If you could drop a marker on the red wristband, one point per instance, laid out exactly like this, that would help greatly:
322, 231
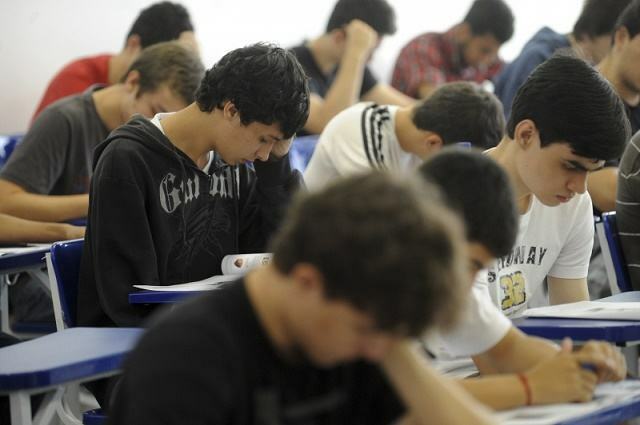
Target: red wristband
527, 389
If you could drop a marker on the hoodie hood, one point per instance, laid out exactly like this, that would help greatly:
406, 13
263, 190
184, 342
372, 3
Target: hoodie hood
141, 130
549, 40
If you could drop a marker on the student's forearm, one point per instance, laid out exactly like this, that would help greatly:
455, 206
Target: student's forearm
344, 92
18, 230
563, 291
429, 397
515, 352
499, 392
45, 207
602, 186
528, 353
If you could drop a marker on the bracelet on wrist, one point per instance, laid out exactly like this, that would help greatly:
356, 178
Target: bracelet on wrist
527, 388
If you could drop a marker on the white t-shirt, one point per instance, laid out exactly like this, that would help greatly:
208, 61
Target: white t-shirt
363, 137
552, 241
356, 140
481, 327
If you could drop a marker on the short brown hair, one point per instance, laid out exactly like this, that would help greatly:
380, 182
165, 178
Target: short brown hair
169, 63
387, 246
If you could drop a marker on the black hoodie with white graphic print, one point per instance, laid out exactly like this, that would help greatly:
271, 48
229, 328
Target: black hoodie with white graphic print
156, 218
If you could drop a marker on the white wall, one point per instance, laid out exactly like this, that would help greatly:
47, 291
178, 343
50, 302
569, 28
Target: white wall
37, 37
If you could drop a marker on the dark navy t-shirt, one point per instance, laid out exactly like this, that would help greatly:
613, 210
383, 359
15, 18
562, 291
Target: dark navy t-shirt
320, 83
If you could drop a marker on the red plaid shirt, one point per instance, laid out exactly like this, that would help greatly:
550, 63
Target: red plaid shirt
434, 58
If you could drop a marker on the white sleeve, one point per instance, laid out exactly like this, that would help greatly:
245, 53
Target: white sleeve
573, 260
339, 151
480, 328
321, 170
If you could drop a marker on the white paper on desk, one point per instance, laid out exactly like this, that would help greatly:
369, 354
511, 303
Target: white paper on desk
22, 249
213, 282
233, 267
589, 310
605, 395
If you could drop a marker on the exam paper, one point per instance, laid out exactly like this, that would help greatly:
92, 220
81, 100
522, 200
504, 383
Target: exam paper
214, 282
22, 249
606, 395
589, 310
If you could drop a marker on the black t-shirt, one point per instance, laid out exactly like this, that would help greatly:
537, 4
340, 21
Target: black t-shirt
209, 361
320, 83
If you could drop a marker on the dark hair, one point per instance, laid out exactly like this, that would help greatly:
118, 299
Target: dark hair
163, 21
477, 188
490, 17
598, 18
570, 102
168, 63
462, 111
387, 246
378, 14
264, 82
630, 18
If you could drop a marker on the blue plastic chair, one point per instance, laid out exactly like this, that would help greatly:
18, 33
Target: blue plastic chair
63, 263
302, 150
32, 264
7, 145
614, 261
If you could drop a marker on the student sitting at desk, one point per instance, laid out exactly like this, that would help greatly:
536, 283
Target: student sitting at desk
319, 336
172, 196
47, 176
466, 52
336, 62
398, 139
531, 370
566, 121
159, 22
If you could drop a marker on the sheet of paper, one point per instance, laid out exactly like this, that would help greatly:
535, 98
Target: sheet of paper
607, 394
22, 249
213, 282
589, 310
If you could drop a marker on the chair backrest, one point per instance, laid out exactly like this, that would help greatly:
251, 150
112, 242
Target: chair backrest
614, 261
7, 145
301, 151
63, 264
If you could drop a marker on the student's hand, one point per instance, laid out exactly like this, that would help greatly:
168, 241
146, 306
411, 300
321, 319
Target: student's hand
609, 363
73, 232
280, 149
361, 38
562, 378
